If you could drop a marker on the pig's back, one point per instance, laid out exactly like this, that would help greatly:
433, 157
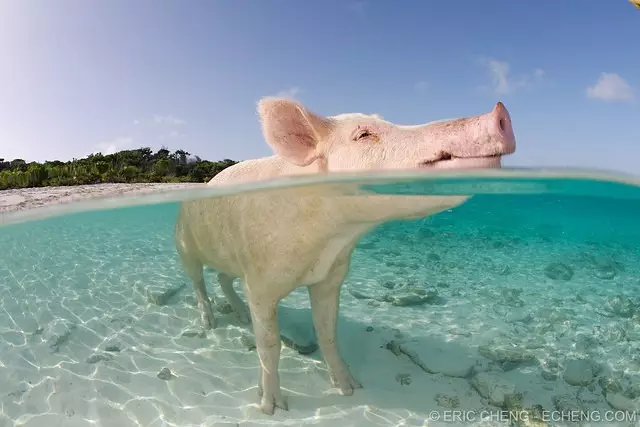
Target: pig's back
265, 168
252, 170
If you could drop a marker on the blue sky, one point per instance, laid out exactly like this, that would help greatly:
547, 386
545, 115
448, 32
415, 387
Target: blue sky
87, 76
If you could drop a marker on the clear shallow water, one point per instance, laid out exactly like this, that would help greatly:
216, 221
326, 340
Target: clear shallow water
529, 289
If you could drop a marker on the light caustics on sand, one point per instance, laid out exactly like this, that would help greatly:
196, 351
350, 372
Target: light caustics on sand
530, 291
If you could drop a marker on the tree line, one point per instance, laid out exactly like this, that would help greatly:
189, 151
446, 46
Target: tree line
127, 166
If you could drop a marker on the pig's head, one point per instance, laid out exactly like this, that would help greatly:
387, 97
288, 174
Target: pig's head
354, 141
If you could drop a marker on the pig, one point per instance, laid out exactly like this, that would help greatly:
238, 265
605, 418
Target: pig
278, 240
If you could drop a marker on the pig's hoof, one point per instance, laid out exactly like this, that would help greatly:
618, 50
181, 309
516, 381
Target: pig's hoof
345, 382
271, 401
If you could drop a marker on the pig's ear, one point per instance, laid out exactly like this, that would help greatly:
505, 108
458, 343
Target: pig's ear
291, 130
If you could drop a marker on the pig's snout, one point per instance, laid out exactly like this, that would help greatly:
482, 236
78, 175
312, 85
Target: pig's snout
478, 141
501, 130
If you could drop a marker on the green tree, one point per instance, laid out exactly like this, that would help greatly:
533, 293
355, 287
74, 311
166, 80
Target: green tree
139, 165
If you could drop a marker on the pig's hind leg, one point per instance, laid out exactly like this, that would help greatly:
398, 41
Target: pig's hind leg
236, 303
194, 269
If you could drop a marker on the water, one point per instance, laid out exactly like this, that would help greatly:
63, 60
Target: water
530, 290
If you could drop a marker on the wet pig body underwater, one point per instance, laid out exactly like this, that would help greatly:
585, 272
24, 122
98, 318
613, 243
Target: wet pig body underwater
278, 240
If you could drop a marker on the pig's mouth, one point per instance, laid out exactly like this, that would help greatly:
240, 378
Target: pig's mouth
448, 160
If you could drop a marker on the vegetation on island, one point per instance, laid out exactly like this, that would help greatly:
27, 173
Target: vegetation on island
127, 166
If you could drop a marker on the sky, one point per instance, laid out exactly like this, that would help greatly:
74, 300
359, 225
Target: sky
79, 77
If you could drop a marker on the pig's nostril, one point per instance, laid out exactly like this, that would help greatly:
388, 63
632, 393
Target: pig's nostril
502, 124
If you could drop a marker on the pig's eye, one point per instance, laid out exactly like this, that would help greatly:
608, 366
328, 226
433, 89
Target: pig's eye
362, 134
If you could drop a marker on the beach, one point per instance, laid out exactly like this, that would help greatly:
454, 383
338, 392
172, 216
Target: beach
98, 326
29, 198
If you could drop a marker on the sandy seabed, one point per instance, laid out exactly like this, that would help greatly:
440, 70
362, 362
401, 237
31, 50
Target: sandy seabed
452, 353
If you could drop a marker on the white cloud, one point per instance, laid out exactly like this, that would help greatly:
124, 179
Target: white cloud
421, 86
289, 93
174, 134
502, 80
115, 145
538, 73
168, 120
611, 87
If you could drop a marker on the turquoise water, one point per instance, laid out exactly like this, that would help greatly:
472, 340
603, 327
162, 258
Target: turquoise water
526, 296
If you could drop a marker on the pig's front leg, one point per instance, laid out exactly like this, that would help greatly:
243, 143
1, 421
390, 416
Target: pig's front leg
263, 309
325, 301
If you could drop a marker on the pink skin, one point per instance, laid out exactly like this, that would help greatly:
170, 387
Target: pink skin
280, 240
492, 136
359, 142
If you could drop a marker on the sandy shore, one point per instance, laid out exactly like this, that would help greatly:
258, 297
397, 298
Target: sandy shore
28, 198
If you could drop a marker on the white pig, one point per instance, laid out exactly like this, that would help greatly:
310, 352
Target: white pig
279, 240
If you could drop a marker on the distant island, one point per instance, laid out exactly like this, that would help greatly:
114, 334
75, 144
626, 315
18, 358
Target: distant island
128, 166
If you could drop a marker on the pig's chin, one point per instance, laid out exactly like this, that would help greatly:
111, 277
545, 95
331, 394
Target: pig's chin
465, 163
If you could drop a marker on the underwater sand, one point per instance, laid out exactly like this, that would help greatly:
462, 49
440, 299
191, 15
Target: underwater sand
507, 301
